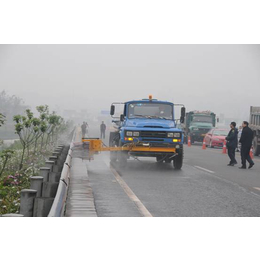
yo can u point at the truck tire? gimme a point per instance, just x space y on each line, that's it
113 142
256 147
178 160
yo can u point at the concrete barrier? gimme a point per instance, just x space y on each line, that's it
44 172
36 184
27 201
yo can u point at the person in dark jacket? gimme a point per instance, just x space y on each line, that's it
103 130
232 143
246 144
84 129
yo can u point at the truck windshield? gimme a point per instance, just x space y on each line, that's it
206 119
150 110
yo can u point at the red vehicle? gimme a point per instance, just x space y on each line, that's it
216 137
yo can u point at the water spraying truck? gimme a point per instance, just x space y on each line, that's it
146 128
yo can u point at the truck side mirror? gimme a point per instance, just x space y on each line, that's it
122 117
183 111
112 110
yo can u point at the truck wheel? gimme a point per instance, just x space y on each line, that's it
178 160
256 146
113 142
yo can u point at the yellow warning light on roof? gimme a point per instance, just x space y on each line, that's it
150 97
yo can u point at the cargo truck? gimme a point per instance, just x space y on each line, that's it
198 124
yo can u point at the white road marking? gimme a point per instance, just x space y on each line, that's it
142 209
203 169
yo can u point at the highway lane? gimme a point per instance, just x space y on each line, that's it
204 187
214 160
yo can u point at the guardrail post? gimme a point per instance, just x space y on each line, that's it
49 164
42 207
58 163
44 172
49 189
27 201
36 184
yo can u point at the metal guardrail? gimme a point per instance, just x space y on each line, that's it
59 203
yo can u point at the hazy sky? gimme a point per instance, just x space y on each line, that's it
221 78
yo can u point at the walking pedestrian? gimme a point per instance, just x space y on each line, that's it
83 129
103 130
246 144
232 143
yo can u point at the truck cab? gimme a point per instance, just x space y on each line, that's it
198 124
148 123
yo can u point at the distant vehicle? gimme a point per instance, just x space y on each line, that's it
255 126
216 137
198 123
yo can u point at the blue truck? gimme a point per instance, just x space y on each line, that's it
150 128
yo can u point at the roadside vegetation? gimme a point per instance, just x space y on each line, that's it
38 134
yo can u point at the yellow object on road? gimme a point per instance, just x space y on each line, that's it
96 145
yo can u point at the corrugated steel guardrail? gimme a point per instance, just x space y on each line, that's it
59 203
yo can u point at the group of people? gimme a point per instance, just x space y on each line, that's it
84 130
245 140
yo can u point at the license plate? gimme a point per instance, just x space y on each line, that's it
203 134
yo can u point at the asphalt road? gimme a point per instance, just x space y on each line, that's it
205 187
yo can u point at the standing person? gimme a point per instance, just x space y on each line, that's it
83 129
87 127
232 143
102 130
246 144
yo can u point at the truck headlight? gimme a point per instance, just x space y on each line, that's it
170 135
128 133
136 133
177 135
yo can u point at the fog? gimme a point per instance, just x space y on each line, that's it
221 78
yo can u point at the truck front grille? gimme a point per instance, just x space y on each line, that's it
205 130
157 134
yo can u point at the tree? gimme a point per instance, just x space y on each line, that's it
5 156
2 119
26 128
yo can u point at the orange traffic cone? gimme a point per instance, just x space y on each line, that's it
204 144
224 150
189 141
251 153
